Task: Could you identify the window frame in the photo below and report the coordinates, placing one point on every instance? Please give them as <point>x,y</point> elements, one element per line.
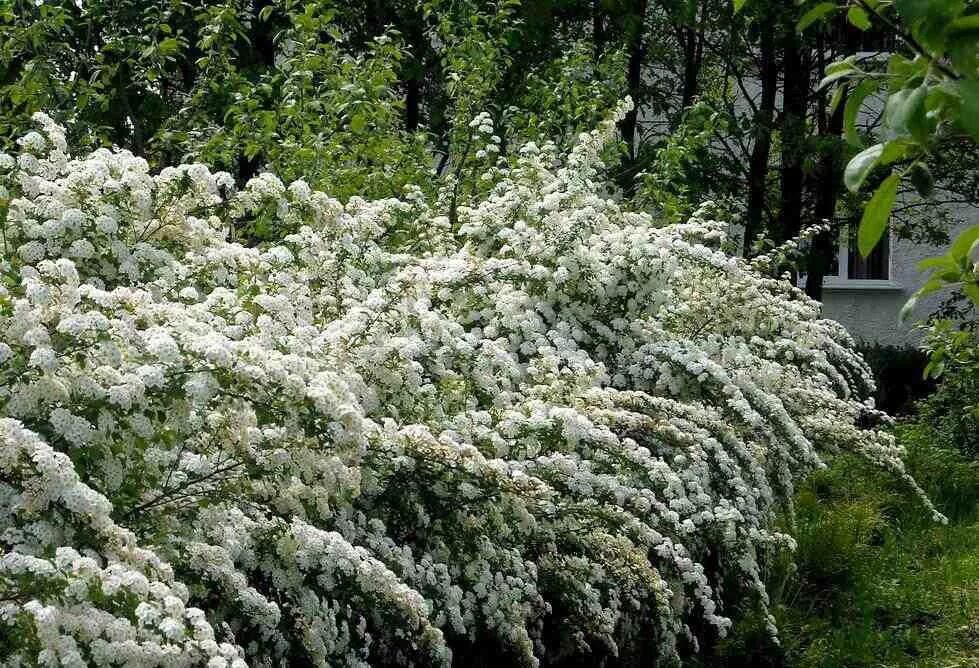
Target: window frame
<point>841,281</point>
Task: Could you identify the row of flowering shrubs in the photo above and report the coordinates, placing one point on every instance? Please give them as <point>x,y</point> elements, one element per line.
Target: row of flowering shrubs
<point>543,430</point>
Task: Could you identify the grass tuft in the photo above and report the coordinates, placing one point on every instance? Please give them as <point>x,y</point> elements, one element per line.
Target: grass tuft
<point>876,582</point>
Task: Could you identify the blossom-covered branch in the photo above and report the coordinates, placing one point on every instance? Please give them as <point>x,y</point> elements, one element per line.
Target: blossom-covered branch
<point>547,428</point>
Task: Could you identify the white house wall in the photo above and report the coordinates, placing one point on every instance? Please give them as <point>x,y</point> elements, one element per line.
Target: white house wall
<point>872,314</point>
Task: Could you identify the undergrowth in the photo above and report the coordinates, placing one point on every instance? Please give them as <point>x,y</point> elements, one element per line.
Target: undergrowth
<point>875,582</point>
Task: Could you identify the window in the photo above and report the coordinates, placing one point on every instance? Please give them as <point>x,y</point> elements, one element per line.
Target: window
<point>876,266</point>
<point>850,271</point>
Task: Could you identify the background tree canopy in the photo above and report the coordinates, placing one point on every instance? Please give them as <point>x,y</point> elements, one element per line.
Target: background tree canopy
<point>755,105</point>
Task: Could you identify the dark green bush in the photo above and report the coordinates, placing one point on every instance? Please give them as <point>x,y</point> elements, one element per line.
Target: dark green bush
<point>899,372</point>
<point>947,472</point>
<point>952,411</point>
<point>874,580</point>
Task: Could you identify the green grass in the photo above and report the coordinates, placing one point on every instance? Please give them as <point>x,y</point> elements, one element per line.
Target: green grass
<point>876,581</point>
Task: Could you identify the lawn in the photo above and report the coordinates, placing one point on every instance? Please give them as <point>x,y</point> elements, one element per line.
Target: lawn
<point>876,582</point>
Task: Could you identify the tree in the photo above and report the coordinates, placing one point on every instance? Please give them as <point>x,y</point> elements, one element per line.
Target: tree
<point>932,107</point>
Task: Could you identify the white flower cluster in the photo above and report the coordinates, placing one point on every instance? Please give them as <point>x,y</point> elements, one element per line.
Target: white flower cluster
<point>552,430</point>
<point>789,252</point>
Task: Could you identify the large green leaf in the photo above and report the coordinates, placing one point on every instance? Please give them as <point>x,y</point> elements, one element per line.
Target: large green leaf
<point>912,10</point>
<point>358,123</point>
<point>852,109</point>
<point>905,110</point>
<point>969,116</point>
<point>818,12</point>
<point>965,24</point>
<point>857,169</point>
<point>933,284</point>
<point>837,70</point>
<point>941,262</point>
<point>897,149</point>
<point>963,243</point>
<point>875,216</point>
<point>857,16</point>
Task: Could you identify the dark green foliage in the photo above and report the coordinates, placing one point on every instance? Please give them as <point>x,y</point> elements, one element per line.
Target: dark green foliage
<point>356,98</point>
<point>952,411</point>
<point>931,85</point>
<point>876,582</point>
<point>899,373</point>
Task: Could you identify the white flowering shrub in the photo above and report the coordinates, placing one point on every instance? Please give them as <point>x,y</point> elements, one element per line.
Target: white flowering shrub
<point>554,432</point>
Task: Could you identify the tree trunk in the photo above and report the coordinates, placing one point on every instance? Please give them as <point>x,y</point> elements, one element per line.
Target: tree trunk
<point>762,145</point>
<point>830,172</point>
<point>794,98</point>
<point>693,56</point>
<point>597,29</point>
<point>262,35</point>
<point>634,45</point>
<point>414,69</point>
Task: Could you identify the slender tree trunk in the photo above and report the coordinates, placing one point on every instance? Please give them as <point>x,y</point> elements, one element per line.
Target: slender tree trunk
<point>629,124</point>
<point>827,192</point>
<point>597,29</point>
<point>414,69</point>
<point>693,56</point>
<point>262,35</point>
<point>263,38</point>
<point>795,92</point>
<point>762,144</point>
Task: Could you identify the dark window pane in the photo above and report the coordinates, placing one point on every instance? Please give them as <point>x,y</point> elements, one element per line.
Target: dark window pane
<point>834,265</point>
<point>874,266</point>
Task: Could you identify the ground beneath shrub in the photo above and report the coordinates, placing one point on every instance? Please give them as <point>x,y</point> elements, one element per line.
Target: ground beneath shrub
<point>876,584</point>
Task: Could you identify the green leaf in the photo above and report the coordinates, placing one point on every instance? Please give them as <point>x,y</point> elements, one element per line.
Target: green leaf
<point>968,24</point>
<point>933,284</point>
<point>827,80</point>
<point>818,12</point>
<point>896,149</point>
<point>934,369</point>
<point>169,46</point>
<point>963,243</point>
<point>858,17</point>
<point>900,68</point>
<point>971,291</point>
<point>939,262</point>
<point>848,63</point>
<point>905,110</point>
<point>922,180</point>
<point>908,309</point>
<point>852,109</point>
<point>838,94</point>
<point>969,116</point>
<point>912,10</point>
<point>861,164</point>
<point>358,123</point>
<point>875,216</point>
<point>961,50</point>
